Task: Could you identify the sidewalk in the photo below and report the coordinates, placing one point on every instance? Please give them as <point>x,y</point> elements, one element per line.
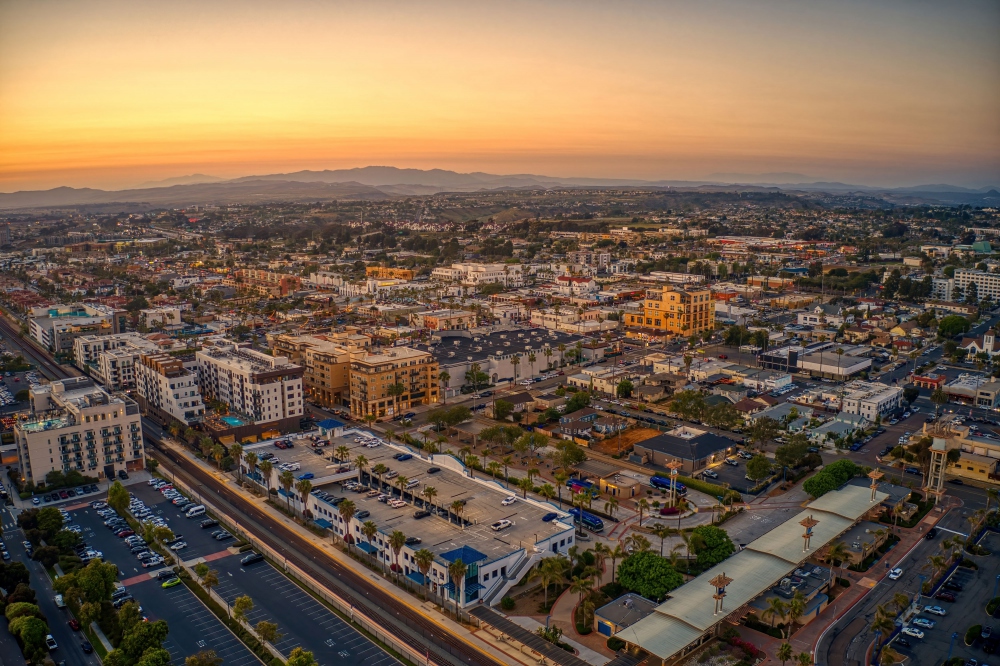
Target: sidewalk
<point>427,609</point>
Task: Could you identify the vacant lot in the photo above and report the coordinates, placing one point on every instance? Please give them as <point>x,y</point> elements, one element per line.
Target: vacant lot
<point>628,439</point>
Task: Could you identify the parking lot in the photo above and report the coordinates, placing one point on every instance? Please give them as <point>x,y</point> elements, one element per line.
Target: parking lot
<point>192,626</point>
<point>199,541</point>
<point>314,627</point>
<point>968,609</point>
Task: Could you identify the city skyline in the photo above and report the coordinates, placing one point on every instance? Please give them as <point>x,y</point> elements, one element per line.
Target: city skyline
<point>111,95</point>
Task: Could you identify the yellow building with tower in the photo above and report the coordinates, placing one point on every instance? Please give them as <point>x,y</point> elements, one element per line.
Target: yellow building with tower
<point>669,311</point>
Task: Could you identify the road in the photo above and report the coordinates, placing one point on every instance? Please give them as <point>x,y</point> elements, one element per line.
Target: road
<point>406,624</point>
<point>45,364</point>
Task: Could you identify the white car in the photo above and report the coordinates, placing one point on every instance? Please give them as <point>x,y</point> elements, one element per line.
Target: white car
<point>500,525</point>
<point>935,610</point>
<point>913,633</point>
<point>507,501</point>
<point>178,546</point>
<point>895,574</point>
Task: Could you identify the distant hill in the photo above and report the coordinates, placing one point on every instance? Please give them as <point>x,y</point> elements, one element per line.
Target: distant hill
<point>382,182</point>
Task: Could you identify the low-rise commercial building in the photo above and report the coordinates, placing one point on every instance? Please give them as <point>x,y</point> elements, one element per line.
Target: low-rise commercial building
<point>74,424</point>
<point>444,320</point>
<point>872,400</point>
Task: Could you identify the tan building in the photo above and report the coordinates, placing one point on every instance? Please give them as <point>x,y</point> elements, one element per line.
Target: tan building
<point>673,312</point>
<point>264,283</point>
<point>327,363</point>
<point>383,272</point>
<point>372,375</point>
<point>444,320</point>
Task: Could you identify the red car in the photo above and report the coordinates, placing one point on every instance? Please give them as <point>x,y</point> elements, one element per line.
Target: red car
<point>63,494</point>
<point>723,356</point>
<point>944,596</point>
<point>124,533</point>
<point>74,625</point>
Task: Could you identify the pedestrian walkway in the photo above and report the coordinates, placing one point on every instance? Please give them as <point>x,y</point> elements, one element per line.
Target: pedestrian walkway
<point>446,623</point>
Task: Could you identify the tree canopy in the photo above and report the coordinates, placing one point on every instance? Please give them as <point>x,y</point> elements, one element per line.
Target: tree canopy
<point>649,575</point>
<point>831,477</point>
<point>715,545</point>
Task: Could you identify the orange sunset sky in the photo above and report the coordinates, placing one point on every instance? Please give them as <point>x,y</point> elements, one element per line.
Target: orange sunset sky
<point>113,94</point>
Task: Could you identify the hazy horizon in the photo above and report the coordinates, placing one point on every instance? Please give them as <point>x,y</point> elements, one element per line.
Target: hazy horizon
<point>114,95</point>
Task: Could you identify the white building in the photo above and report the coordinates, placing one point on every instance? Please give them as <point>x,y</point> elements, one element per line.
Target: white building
<point>261,387</point>
<point>572,285</point>
<point>474,275</point>
<point>942,289</point>
<point>55,327</point>
<point>168,387</point>
<point>111,359</point>
<point>871,399</point>
<point>153,318</point>
<point>75,424</point>
<point>987,284</point>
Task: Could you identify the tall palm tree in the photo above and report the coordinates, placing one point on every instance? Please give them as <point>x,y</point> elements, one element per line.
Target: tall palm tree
<point>611,506</point>
<point>776,608</point>
<point>561,478</point>
<point>662,531</point>
<point>616,554</point>
<point>838,553</point>
<point>547,352</point>
<point>396,542</point>
<point>236,453</point>
<point>444,378</point>
<point>304,487</point>
<point>379,470</point>
<point>601,552</point>
<point>515,360</point>
<point>804,659</point>
<point>546,491</point>
<point>401,482</point>
<point>531,362</point>
<point>266,467</point>
<point>429,493</point>
<point>784,653</point>
<point>424,558</point>
<point>287,480</point>
<point>457,507</point>
<point>342,453</point>
<point>251,459</point>
<point>888,656</point>
<point>347,509</point>
<point>643,506</point>
<point>582,586</point>
<point>395,391</point>
<point>900,601</point>
<point>883,623</point>
<point>796,608</point>
<point>550,570</point>
<point>369,529</point>
<point>494,468</point>
<point>525,484</point>
<point>456,571</point>
<point>360,463</point>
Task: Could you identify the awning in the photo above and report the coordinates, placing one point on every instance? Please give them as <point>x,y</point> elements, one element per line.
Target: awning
<point>557,655</point>
<point>325,524</point>
<point>416,577</point>
<point>270,434</point>
<point>367,547</point>
<point>227,440</point>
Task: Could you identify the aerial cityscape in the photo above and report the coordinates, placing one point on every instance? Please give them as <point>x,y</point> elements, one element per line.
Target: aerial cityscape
<point>576,334</point>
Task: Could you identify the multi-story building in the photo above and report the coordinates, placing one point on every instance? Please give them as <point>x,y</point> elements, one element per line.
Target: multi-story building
<point>153,318</point>
<point>942,289</point>
<point>987,284</point>
<point>373,376</point>
<point>264,283</point>
<point>55,327</point>
<point>327,363</point>
<point>167,386</point>
<point>474,275</point>
<point>262,388</point>
<point>871,399</point>
<point>382,272</point>
<point>444,320</point>
<point>589,258</point>
<point>74,424</point>
<point>111,359</point>
<point>669,311</point>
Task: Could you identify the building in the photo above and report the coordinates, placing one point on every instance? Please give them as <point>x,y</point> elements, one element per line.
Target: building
<point>474,275</point>
<point>942,289</point>
<point>872,400</point>
<point>669,311</point>
<point>376,376</point>
<point>695,449</point>
<point>589,258</point>
<point>987,284</point>
<point>970,389</point>
<point>574,285</point>
<point>264,283</point>
<point>167,387</point>
<point>621,613</point>
<point>155,318</point>
<point>55,327</point>
<point>986,343</point>
<point>819,359</point>
<point>261,388</point>
<point>327,363</point>
<point>383,272</point>
<point>74,424</point>
<point>444,320</point>
<point>111,359</point>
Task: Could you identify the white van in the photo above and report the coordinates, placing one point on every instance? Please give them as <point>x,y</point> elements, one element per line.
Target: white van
<point>412,483</point>
<point>195,511</point>
<point>60,603</point>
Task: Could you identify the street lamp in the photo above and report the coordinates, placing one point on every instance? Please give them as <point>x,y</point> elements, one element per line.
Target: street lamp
<point>950,646</point>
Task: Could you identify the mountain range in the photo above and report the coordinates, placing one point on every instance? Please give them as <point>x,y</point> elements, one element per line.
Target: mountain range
<point>385,182</point>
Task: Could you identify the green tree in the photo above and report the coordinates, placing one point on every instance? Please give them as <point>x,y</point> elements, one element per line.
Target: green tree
<point>118,498</point>
<point>649,575</point>
<point>49,521</point>
<point>689,405</point>
<point>300,657</point>
<point>204,658</point>
<point>268,632</point>
<point>241,606</point>
<point>758,467</point>
<point>953,325</point>
<point>784,653</point>
<point>625,388</point>
<point>502,409</point>
<point>763,430</point>
<point>715,545</point>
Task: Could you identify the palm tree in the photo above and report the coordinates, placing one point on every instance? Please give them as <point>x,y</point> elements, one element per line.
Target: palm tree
<point>515,361</point>
<point>342,452</point>
<point>429,493</point>
<point>525,484</point>
<point>883,623</point>
<point>457,507</point>
<point>494,468</point>
<point>784,653</point>
<point>236,453</point>
<point>531,362</point>
<point>389,435</point>
<point>562,351</point>
<point>423,558</point>
<point>616,554</point>
<point>395,391</point>
<point>444,378</point>
<point>266,467</point>
<point>287,480</point>
<point>401,482</point>
<point>561,478</point>
<point>360,463</point>
<point>888,656</point>
<point>663,532</point>
<point>304,487</point>
<point>900,601</point>
<point>396,542</point>
<point>937,563</point>
<point>796,608</point>
<point>601,552</point>
<point>369,529</point>
<point>775,608</point>
<point>547,352</point>
<point>546,491</point>
<point>347,509</point>
<point>838,553</point>
<point>643,506</point>
<point>251,459</point>
<point>549,571</point>
<point>456,570</point>
<point>692,542</point>
<point>379,470</point>
<point>582,586</point>
<point>611,506</point>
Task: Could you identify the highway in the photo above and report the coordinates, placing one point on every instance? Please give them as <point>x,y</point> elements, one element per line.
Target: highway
<point>405,623</point>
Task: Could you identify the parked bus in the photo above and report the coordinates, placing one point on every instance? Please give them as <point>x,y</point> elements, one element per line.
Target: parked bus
<point>663,483</point>
<point>589,520</point>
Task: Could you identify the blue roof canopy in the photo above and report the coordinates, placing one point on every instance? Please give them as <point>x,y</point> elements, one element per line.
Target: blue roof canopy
<point>325,524</point>
<point>330,424</point>
<point>465,553</point>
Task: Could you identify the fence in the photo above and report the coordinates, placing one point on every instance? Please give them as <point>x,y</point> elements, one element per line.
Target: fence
<point>356,617</point>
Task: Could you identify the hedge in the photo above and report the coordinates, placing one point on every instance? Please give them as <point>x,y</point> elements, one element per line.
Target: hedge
<point>974,632</point>
<point>710,488</point>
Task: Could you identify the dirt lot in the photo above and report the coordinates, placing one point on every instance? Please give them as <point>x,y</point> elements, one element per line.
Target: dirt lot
<point>629,437</point>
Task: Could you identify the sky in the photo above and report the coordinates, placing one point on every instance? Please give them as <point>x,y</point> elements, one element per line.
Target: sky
<point>113,94</point>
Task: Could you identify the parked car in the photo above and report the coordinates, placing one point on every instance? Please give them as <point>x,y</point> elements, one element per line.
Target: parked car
<point>252,558</point>
<point>895,573</point>
<point>913,633</point>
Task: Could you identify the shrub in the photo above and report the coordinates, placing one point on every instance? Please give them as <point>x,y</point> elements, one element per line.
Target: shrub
<point>991,607</point>
<point>711,489</point>
<point>507,604</point>
<point>615,644</point>
<point>968,564</point>
<point>831,477</point>
<point>974,632</point>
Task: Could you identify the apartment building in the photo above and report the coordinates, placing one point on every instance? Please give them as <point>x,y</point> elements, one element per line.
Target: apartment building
<point>374,374</point>
<point>262,388</point>
<point>871,399</point>
<point>589,258</point>
<point>942,289</point>
<point>383,272</point>
<point>474,275</point>
<point>55,327</point>
<point>264,283</point>
<point>987,284</point>
<point>167,387</point>
<point>74,424</point>
<point>327,363</point>
<point>672,311</point>
<point>153,318</point>
<point>444,320</point>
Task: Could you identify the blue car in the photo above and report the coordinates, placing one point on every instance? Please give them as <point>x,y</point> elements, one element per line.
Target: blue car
<point>549,517</point>
<point>405,456</point>
<point>307,475</point>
